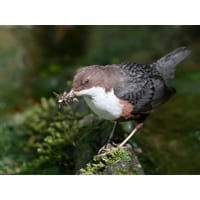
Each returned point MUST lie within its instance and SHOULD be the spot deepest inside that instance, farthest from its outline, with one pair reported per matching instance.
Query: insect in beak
(65, 98)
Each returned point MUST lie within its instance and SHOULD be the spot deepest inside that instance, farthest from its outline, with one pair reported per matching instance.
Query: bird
(125, 92)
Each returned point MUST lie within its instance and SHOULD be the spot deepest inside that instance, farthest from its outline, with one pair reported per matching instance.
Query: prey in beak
(65, 98)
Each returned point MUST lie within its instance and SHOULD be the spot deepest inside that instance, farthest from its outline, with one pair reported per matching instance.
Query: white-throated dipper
(122, 92)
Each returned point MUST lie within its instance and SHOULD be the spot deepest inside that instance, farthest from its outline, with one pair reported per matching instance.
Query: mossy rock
(118, 161)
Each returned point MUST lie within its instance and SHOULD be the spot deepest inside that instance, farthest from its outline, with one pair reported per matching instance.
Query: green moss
(115, 161)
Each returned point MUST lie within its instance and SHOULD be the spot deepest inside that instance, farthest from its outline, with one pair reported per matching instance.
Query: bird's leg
(138, 126)
(111, 134)
(109, 138)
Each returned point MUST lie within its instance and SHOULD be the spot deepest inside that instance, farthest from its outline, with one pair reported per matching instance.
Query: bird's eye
(86, 81)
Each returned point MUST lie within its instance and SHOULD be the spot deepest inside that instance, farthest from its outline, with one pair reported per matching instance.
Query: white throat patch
(105, 104)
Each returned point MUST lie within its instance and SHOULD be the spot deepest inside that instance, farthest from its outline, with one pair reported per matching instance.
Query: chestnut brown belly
(132, 117)
(128, 113)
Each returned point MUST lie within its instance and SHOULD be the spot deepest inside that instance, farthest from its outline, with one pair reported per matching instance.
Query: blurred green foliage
(48, 141)
(35, 138)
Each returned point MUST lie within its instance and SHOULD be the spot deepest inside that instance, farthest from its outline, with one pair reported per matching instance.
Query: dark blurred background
(37, 60)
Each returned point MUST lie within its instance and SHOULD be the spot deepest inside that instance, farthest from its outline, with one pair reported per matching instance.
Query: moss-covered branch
(116, 161)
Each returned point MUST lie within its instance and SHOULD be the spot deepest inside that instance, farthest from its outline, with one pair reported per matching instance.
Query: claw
(104, 149)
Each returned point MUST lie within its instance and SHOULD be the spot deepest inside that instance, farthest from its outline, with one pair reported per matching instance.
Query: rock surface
(114, 161)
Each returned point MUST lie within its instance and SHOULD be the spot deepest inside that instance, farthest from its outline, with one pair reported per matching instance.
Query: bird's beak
(73, 94)
(76, 93)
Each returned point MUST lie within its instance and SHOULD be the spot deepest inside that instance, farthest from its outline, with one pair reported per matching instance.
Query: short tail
(167, 64)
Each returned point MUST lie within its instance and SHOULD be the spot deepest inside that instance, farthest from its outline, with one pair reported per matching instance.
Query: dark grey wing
(143, 87)
(154, 94)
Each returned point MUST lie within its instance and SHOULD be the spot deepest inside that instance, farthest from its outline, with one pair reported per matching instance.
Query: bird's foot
(125, 146)
(106, 149)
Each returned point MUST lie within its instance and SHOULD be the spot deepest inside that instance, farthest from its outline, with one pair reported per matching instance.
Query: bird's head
(94, 80)
(86, 80)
